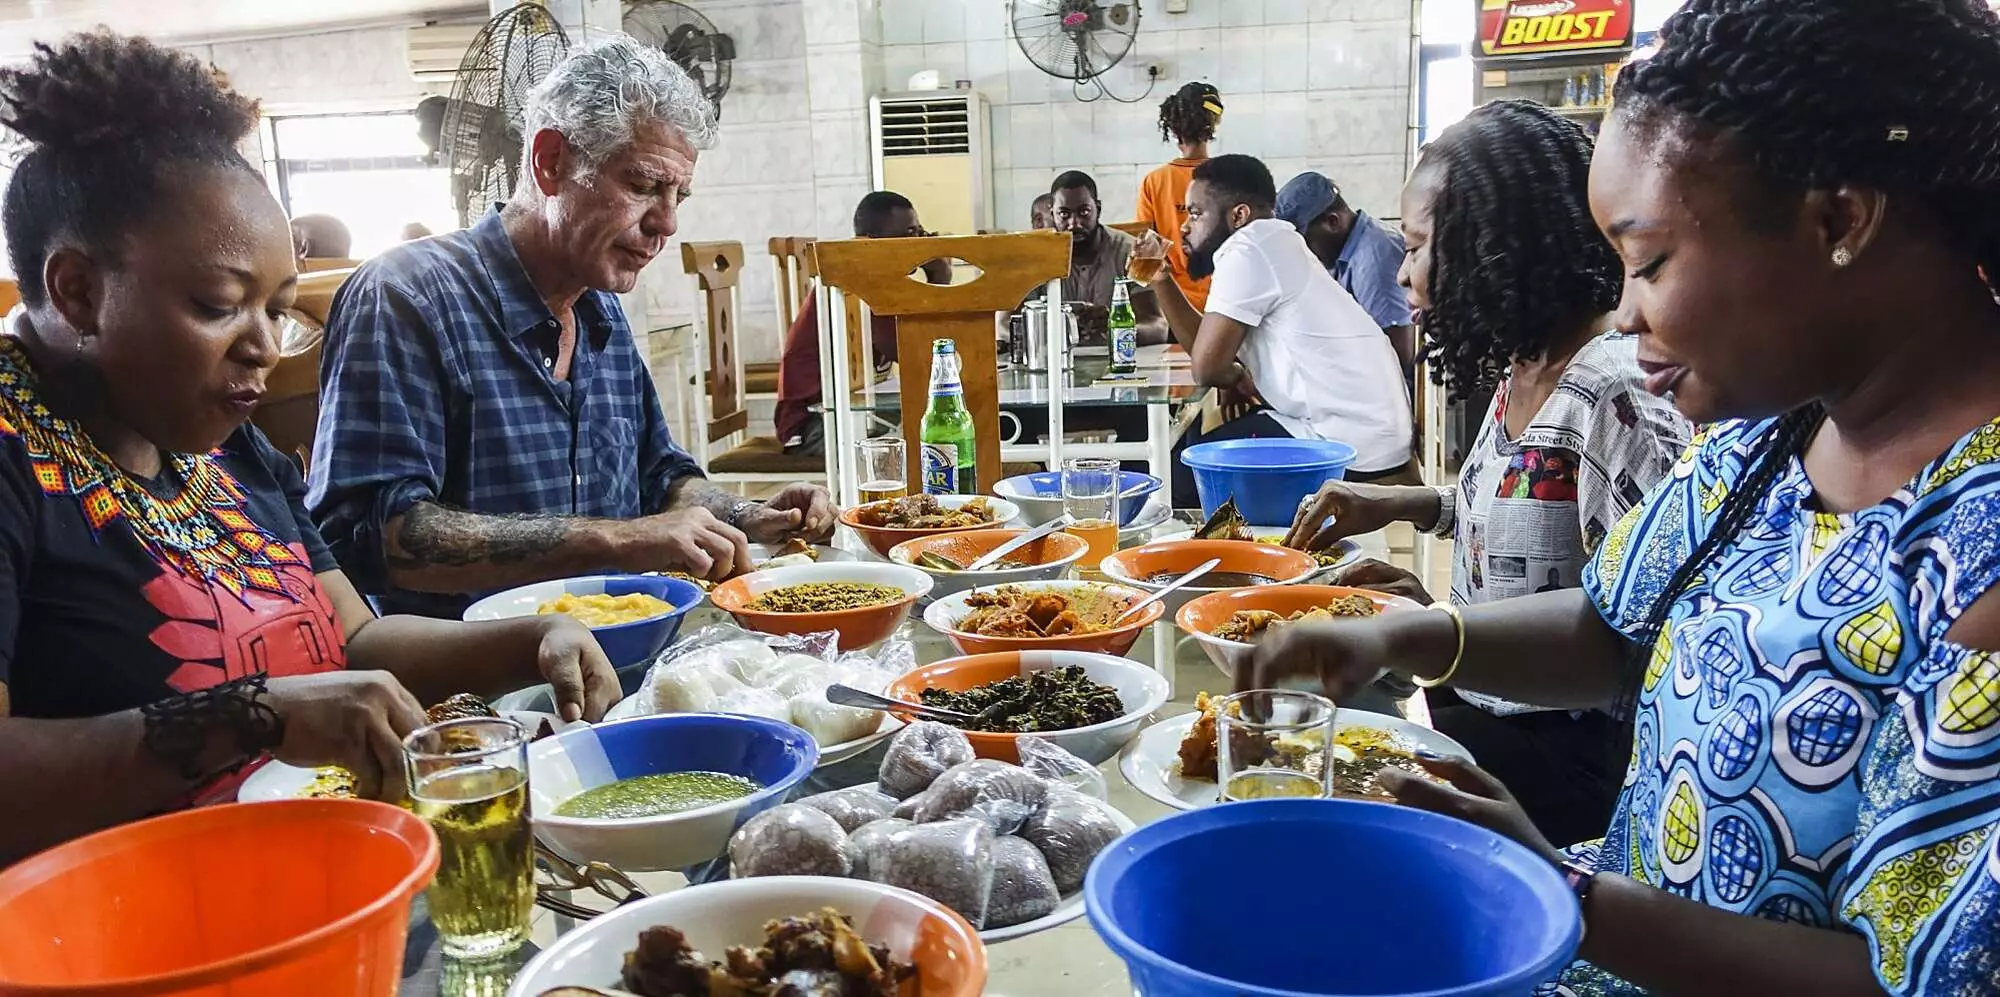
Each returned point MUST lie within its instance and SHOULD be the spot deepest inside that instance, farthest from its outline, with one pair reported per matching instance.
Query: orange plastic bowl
(1047, 558)
(881, 538)
(1142, 690)
(944, 614)
(245, 900)
(1134, 565)
(1201, 616)
(857, 627)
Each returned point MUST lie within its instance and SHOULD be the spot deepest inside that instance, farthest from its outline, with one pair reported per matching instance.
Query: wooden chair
(791, 283)
(718, 269)
(875, 271)
(289, 413)
(327, 263)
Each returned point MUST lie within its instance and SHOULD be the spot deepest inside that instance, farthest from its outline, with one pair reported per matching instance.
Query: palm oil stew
(656, 795)
(1214, 579)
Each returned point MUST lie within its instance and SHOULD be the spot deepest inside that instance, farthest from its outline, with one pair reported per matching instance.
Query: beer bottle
(948, 449)
(1124, 330)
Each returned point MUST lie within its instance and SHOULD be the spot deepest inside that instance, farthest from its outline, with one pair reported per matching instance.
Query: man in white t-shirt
(1292, 353)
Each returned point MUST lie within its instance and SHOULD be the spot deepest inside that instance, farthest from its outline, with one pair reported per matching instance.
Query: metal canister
(1034, 338)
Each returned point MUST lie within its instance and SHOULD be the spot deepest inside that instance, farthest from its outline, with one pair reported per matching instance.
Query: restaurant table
(1069, 960)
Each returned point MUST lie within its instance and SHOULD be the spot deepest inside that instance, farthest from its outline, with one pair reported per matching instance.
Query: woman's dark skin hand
(1473, 795)
(1343, 656)
(584, 684)
(1358, 508)
(1380, 576)
(356, 720)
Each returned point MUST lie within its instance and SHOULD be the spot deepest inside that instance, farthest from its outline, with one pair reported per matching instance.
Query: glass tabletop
(1163, 379)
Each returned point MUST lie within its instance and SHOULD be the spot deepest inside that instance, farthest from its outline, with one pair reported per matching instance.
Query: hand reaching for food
(1341, 656)
(355, 720)
(1380, 576)
(1474, 795)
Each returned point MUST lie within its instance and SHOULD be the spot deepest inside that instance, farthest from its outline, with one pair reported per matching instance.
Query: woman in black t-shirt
(168, 616)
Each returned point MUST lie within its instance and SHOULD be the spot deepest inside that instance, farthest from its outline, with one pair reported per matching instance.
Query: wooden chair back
(717, 268)
(876, 271)
(860, 366)
(791, 275)
(317, 264)
(1134, 229)
(289, 413)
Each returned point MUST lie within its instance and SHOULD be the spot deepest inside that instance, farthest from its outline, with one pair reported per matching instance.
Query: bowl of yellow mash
(632, 616)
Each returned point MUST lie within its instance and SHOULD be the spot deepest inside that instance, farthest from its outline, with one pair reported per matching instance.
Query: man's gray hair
(598, 93)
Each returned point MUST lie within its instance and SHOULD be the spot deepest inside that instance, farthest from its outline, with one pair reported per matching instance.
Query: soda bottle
(948, 449)
(1124, 330)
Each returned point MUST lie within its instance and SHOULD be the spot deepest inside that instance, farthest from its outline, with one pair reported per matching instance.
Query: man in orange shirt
(1189, 117)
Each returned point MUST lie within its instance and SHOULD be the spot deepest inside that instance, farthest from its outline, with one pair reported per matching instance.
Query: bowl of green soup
(662, 792)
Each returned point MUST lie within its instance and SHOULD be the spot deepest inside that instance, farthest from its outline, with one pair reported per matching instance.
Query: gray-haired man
(486, 420)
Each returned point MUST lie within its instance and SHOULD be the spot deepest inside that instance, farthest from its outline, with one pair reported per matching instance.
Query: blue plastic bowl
(1328, 898)
(1267, 477)
(1040, 494)
(628, 645)
(777, 756)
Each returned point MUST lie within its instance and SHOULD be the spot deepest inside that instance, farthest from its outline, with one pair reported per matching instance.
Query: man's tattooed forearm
(693, 491)
(433, 535)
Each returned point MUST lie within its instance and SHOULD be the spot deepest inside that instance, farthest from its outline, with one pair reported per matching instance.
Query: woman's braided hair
(1901, 96)
(1185, 117)
(1515, 255)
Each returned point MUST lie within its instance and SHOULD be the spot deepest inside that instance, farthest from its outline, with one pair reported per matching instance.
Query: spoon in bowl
(847, 695)
(1201, 569)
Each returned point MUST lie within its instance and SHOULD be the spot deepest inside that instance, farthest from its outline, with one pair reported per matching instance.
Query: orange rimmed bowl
(1200, 617)
(1047, 558)
(944, 615)
(1135, 565)
(881, 539)
(858, 627)
(1142, 690)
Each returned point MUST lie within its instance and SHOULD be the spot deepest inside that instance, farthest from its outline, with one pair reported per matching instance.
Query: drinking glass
(1090, 496)
(1144, 266)
(1273, 743)
(883, 473)
(469, 779)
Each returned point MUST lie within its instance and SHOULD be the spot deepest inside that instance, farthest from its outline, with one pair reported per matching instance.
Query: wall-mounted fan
(1076, 40)
(688, 38)
(479, 137)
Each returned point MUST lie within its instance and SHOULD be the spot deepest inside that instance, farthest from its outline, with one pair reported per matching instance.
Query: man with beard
(1288, 349)
(1097, 258)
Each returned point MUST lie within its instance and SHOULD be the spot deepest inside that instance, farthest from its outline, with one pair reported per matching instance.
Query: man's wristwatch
(736, 512)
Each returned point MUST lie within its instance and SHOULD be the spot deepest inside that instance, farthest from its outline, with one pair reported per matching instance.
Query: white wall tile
(986, 20)
(1026, 83)
(1000, 139)
(1197, 56)
(1033, 127)
(903, 21)
(1201, 14)
(986, 67)
(948, 58)
(833, 22)
(1348, 55)
(1286, 11)
(944, 21)
(841, 145)
(899, 63)
(1240, 63)
(1353, 122)
(1241, 13)
(1286, 57)
(1075, 143)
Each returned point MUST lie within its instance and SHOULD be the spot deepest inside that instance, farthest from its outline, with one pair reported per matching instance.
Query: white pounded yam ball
(1070, 831)
(951, 863)
(682, 688)
(757, 703)
(854, 806)
(829, 723)
(801, 681)
(731, 657)
(790, 840)
(865, 839)
(1023, 888)
(919, 754)
(1002, 795)
(767, 673)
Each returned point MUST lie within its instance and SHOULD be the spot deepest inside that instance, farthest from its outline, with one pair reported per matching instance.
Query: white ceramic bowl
(1142, 690)
(944, 582)
(777, 756)
(950, 958)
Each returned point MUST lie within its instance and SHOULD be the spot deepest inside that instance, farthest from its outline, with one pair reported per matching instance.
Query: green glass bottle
(1124, 330)
(949, 458)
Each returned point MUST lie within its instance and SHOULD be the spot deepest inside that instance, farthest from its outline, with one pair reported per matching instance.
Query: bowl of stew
(1054, 615)
(1244, 565)
(864, 601)
(883, 525)
(1229, 625)
(1043, 559)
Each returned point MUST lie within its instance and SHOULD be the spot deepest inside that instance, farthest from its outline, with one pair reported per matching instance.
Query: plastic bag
(755, 702)
(832, 724)
(1023, 888)
(866, 838)
(1003, 796)
(1070, 830)
(784, 677)
(790, 840)
(1056, 764)
(950, 862)
(854, 806)
(918, 754)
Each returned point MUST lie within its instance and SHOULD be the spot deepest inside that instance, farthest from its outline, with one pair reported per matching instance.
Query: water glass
(1090, 497)
(469, 779)
(1274, 743)
(884, 475)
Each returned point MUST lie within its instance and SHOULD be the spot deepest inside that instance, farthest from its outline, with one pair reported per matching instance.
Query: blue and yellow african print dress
(1809, 746)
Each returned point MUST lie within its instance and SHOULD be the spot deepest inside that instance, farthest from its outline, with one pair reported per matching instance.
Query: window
(367, 170)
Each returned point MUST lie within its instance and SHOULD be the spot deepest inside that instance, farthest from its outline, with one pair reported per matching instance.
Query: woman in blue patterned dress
(1800, 620)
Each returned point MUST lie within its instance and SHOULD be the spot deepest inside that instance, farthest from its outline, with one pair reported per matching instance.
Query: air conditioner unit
(931, 148)
(437, 48)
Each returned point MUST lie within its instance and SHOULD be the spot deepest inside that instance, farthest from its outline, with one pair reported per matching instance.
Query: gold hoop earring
(1843, 257)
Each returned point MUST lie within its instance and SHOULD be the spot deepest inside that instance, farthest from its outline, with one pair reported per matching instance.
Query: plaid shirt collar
(522, 308)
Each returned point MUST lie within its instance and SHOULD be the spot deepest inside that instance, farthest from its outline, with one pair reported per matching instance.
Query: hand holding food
(1380, 576)
(581, 677)
(354, 720)
(691, 540)
(1468, 793)
(798, 510)
(1342, 656)
(1356, 509)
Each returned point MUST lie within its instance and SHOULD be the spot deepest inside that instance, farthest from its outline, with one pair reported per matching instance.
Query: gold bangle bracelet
(1458, 627)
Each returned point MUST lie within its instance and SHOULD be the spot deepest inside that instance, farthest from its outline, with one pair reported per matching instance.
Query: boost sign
(1543, 27)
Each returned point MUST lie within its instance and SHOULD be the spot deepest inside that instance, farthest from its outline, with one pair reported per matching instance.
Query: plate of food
(276, 780)
(1005, 846)
(1091, 705)
(889, 522)
(1228, 524)
(1173, 762)
(1230, 624)
(1042, 616)
(861, 600)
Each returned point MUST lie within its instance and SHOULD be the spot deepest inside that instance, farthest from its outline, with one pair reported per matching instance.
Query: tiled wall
(1308, 84)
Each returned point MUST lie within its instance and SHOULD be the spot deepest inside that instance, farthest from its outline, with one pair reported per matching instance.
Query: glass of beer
(1143, 268)
(883, 473)
(469, 779)
(1274, 743)
(1090, 496)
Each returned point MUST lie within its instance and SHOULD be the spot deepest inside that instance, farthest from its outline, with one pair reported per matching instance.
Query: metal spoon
(1204, 568)
(847, 695)
(993, 556)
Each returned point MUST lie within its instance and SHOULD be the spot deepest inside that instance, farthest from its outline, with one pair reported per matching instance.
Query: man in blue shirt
(486, 420)
(1362, 253)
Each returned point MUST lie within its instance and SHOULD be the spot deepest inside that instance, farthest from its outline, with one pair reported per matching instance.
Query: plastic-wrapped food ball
(864, 839)
(911, 808)
(1023, 889)
(854, 806)
(950, 862)
(918, 754)
(790, 840)
(1070, 831)
(1002, 795)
